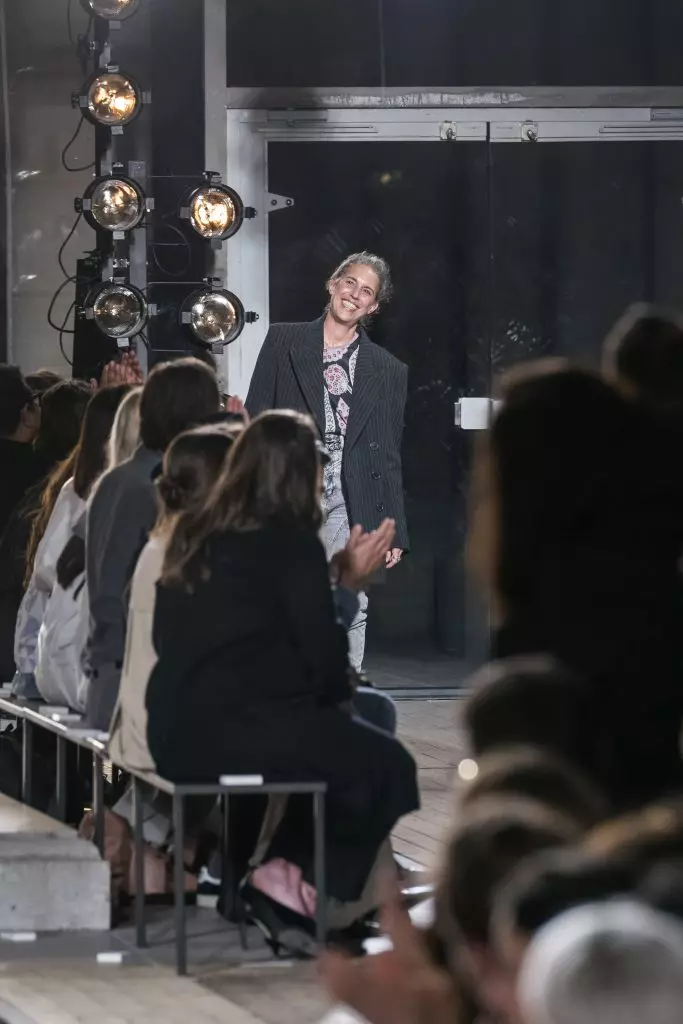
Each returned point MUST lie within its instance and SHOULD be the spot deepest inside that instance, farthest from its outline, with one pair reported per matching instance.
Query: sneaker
(208, 890)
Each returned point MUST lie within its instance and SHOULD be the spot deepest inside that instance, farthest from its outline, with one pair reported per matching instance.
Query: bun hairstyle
(191, 466)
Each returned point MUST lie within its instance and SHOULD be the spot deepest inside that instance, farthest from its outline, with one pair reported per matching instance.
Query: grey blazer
(289, 375)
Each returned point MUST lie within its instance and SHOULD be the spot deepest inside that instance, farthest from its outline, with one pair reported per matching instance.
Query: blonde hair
(125, 434)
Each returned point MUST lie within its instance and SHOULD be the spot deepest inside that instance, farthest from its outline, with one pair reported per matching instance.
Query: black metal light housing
(119, 310)
(112, 10)
(215, 318)
(215, 211)
(110, 98)
(113, 203)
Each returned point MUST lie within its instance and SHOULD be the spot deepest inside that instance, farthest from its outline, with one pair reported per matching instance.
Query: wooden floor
(431, 731)
(57, 980)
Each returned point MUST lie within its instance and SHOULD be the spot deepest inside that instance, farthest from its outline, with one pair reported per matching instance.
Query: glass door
(511, 234)
(423, 206)
(586, 219)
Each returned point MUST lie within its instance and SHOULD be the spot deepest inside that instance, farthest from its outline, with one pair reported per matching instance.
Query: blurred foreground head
(643, 356)
(605, 963)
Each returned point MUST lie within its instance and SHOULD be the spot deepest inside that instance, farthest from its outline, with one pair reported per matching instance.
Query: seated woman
(253, 667)
(191, 467)
(62, 504)
(64, 628)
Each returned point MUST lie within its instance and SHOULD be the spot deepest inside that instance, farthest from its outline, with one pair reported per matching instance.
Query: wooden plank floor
(431, 731)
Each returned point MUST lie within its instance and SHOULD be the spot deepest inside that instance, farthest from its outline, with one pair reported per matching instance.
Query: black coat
(252, 667)
(289, 375)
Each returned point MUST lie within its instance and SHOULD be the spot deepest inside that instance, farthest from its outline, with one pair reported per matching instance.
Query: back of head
(270, 478)
(540, 775)
(15, 396)
(98, 422)
(642, 838)
(490, 841)
(605, 963)
(529, 700)
(548, 885)
(125, 432)
(176, 396)
(41, 380)
(554, 449)
(192, 464)
(643, 354)
(62, 410)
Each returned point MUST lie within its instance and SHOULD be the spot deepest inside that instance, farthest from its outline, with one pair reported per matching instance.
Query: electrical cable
(186, 245)
(53, 325)
(63, 330)
(65, 165)
(64, 244)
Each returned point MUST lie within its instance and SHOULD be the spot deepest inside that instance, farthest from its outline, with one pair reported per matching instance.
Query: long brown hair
(85, 463)
(191, 467)
(271, 476)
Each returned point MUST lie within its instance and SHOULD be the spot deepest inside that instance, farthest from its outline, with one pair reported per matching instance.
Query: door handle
(475, 413)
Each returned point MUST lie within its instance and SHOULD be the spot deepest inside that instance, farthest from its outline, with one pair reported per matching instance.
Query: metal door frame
(249, 130)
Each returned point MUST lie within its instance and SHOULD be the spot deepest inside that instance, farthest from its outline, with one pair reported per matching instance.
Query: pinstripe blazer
(289, 375)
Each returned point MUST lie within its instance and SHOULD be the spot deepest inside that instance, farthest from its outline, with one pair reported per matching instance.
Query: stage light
(119, 310)
(216, 318)
(111, 99)
(215, 211)
(113, 10)
(114, 204)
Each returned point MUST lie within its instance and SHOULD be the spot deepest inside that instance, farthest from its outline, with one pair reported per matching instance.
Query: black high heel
(286, 932)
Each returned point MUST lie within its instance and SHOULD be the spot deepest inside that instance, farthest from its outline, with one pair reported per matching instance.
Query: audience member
(588, 534)
(19, 421)
(63, 503)
(191, 466)
(245, 596)
(61, 412)
(540, 775)
(41, 380)
(490, 841)
(612, 963)
(123, 511)
(529, 700)
(643, 357)
(125, 434)
(548, 885)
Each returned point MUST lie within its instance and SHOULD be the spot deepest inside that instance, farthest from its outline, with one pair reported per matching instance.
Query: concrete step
(50, 879)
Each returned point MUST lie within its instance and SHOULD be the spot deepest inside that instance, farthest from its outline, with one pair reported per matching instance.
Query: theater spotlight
(215, 211)
(113, 203)
(216, 318)
(119, 310)
(112, 10)
(111, 99)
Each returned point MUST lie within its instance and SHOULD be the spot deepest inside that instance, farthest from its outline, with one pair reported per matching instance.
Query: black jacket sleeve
(311, 615)
(395, 508)
(263, 388)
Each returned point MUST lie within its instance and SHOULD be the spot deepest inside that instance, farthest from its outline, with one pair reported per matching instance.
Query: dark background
(397, 43)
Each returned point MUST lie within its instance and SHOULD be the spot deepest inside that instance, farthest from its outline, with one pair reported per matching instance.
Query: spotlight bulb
(215, 318)
(114, 10)
(112, 99)
(119, 310)
(114, 204)
(215, 211)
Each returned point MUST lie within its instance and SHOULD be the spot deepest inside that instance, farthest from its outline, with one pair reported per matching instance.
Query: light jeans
(334, 535)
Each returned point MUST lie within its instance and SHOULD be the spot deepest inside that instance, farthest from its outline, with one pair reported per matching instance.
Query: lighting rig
(119, 205)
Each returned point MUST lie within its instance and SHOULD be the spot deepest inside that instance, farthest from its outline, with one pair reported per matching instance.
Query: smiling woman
(355, 392)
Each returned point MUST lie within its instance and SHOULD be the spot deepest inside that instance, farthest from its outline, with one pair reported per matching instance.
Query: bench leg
(319, 855)
(61, 778)
(179, 882)
(139, 854)
(27, 762)
(98, 801)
